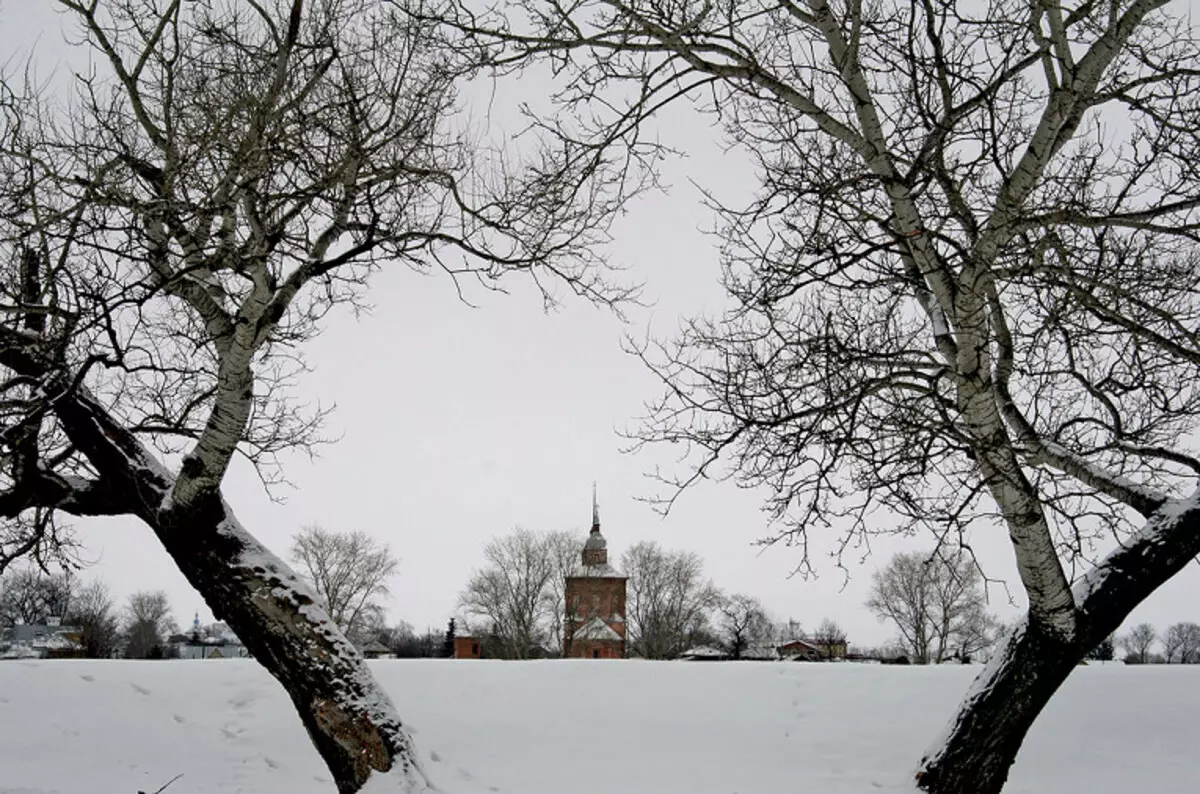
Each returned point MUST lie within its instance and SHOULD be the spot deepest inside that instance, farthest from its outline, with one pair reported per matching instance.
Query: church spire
(595, 509)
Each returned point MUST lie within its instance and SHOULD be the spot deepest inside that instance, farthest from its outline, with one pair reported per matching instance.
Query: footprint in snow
(141, 690)
(271, 762)
(241, 702)
(433, 756)
(179, 719)
(464, 774)
(88, 677)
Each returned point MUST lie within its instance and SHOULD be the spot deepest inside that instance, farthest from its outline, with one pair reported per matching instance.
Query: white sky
(459, 424)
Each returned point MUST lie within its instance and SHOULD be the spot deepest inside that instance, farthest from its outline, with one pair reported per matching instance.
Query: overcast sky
(458, 424)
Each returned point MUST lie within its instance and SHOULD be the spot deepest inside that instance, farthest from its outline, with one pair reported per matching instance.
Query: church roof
(596, 629)
(600, 571)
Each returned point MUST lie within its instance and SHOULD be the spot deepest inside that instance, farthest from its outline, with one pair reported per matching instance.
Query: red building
(467, 648)
(595, 619)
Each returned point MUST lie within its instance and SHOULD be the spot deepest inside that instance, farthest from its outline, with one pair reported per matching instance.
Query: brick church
(595, 619)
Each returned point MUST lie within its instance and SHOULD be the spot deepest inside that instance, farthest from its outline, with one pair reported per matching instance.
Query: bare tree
(963, 290)
(743, 623)
(93, 612)
(668, 600)
(349, 571)
(30, 595)
(563, 548)
(935, 601)
(225, 174)
(148, 624)
(1181, 644)
(830, 638)
(515, 596)
(1138, 642)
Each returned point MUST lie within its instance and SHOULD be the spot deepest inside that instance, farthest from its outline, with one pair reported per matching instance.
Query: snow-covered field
(582, 727)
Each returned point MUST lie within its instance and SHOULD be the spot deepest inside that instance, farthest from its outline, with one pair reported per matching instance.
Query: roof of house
(760, 652)
(596, 629)
(29, 633)
(704, 652)
(375, 646)
(799, 643)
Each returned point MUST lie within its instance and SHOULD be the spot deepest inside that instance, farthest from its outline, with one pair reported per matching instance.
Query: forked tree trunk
(979, 746)
(349, 717)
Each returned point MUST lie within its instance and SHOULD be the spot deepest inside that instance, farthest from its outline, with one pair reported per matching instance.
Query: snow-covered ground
(582, 728)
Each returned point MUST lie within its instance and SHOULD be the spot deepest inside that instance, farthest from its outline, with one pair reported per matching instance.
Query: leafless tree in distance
(789, 630)
(668, 600)
(349, 571)
(516, 597)
(965, 291)
(148, 624)
(1138, 642)
(742, 623)
(93, 611)
(1181, 643)
(224, 177)
(564, 549)
(829, 637)
(31, 596)
(936, 602)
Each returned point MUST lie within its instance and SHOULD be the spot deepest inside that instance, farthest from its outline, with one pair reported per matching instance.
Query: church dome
(595, 541)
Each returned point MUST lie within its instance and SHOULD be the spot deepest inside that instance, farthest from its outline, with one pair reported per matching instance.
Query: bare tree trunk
(981, 743)
(349, 717)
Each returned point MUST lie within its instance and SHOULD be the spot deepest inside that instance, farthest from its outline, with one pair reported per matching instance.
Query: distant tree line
(1142, 644)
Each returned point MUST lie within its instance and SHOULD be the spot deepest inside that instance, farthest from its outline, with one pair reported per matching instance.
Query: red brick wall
(467, 648)
(592, 597)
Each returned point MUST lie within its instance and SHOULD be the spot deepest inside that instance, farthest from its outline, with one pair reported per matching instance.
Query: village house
(812, 650)
(468, 648)
(374, 649)
(51, 640)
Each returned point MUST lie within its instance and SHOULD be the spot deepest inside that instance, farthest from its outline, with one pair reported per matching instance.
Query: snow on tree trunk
(982, 741)
(349, 717)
